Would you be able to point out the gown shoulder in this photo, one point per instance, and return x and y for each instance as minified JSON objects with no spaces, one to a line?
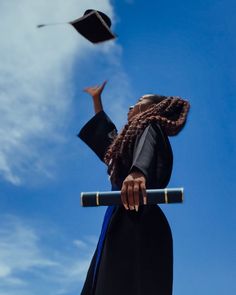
{"x":98,"y":133}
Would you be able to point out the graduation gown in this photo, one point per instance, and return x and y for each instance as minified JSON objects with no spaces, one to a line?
{"x":134,"y":255}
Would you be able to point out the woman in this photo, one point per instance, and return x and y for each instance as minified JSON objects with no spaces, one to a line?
{"x":134,"y":255}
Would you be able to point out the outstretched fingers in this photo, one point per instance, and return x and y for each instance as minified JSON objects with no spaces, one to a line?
{"x":103,"y":85}
{"x":95,"y":90}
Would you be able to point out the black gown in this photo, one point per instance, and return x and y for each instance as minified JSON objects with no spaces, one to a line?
{"x":134,"y":255}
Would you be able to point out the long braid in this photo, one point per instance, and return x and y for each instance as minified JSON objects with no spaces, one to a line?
{"x":170,"y":113}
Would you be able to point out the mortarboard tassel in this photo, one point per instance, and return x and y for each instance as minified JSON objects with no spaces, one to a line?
{"x":52,"y":24}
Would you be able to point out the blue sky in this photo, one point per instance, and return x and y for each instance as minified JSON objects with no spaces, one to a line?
{"x":184,"y":48}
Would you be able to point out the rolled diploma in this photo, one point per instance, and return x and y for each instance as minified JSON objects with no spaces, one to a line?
{"x":154,"y":196}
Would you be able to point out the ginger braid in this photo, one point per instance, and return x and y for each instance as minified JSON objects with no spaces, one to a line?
{"x":170,"y":114}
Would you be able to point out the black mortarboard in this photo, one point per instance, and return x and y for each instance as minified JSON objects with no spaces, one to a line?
{"x":94,"y":25}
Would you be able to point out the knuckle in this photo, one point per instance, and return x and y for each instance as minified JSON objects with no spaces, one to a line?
{"x":127,"y":182}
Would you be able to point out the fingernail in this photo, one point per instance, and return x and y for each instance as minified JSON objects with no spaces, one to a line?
{"x":136,"y":208}
{"x":126,"y":207}
{"x":145,"y":201}
{"x":131,"y":207}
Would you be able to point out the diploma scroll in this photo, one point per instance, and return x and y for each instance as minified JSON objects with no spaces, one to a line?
{"x":154,"y":196}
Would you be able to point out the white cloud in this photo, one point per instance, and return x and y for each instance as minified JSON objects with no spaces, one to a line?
{"x":18,"y":249}
{"x":27,"y":261}
{"x":35,"y":81}
{"x":80,"y":244}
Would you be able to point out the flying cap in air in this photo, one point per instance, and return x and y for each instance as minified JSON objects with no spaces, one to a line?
{"x":94,"y":25}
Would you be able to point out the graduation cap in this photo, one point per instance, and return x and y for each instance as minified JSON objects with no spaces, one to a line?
{"x":94,"y":25}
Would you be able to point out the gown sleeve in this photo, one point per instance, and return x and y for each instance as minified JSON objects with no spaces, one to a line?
{"x":152,"y":156}
{"x":98,"y":133}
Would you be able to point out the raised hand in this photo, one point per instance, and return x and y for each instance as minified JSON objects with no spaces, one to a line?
{"x":95,"y":91}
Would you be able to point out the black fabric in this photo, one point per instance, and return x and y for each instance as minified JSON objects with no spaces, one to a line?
{"x":137,"y":256}
{"x":102,"y":14}
{"x":152,"y":155}
{"x":98,"y":133}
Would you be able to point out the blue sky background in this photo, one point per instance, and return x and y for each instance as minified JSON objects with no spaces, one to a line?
{"x":184,"y":48}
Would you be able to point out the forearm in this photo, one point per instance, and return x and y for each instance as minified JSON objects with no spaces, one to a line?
{"x":97,"y":104}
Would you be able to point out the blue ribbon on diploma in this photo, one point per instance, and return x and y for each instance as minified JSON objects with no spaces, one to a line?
{"x":154,"y":196}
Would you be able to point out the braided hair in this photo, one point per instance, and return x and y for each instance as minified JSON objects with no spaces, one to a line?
{"x":169,"y":112}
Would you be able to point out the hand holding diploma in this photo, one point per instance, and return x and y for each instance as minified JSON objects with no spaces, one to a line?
{"x":154,"y":196}
{"x":133,"y":185}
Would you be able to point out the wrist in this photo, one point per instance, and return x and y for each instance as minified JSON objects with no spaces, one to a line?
{"x":97,"y":97}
